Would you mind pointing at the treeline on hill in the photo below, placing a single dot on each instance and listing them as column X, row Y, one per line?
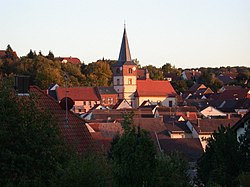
column 46, row 69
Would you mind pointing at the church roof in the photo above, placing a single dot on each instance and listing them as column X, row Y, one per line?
column 150, row 87
column 125, row 56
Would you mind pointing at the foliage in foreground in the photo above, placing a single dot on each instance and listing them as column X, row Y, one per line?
column 33, row 152
column 31, row 148
column 224, row 161
column 136, row 162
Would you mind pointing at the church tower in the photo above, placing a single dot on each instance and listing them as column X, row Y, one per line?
column 125, row 73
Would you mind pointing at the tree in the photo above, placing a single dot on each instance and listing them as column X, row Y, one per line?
column 221, row 163
column 31, row 54
column 134, row 156
column 171, row 171
column 50, row 56
column 97, row 73
column 91, row 170
column 245, row 149
column 154, row 72
column 32, row 151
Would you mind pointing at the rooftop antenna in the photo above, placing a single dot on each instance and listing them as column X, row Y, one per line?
column 66, row 97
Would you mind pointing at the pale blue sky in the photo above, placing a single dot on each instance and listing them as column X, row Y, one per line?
column 186, row 33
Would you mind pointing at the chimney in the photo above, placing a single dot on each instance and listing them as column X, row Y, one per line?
column 147, row 74
column 198, row 122
column 21, row 85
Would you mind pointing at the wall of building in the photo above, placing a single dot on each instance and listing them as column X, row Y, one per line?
column 84, row 106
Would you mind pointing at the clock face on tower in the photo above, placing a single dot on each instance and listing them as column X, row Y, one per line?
column 134, row 68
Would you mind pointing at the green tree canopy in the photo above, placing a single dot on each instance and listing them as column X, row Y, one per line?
column 32, row 152
column 134, row 156
column 221, row 163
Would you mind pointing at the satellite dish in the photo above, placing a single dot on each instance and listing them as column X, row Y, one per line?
column 70, row 103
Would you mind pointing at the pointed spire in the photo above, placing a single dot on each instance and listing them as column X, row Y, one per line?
column 124, row 55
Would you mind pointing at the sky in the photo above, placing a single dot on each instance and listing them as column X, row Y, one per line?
column 185, row 33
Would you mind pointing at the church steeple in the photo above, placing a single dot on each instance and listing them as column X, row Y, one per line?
column 124, row 56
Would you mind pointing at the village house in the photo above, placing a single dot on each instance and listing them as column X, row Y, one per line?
column 204, row 128
column 107, row 94
column 84, row 97
column 72, row 60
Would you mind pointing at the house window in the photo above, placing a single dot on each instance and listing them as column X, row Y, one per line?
column 118, row 81
column 170, row 104
column 130, row 70
column 90, row 103
column 129, row 81
column 110, row 100
column 79, row 110
column 84, row 102
column 103, row 100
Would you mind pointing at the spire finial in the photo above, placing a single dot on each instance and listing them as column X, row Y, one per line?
column 124, row 24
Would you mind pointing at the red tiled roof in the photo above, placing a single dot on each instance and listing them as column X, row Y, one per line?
column 75, row 133
column 234, row 94
column 150, row 87
column 3, row 54
column 78, row 93
column 189, row 148
column 72, row 60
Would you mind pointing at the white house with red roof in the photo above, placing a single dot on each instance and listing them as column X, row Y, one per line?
column 134, row 90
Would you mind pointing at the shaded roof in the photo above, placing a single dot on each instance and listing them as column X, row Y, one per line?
column 225, row 79
column 241, row 122
column 150, row 124
column 124, row 55
column 234, row 94
column 177, row 109
column 150, row 87
column 75, row 133
column 78, row 93
column 231, row 87
column 208, row 126
column 177, row 127
column 190, row 148
column 3, row 54
column 106, row 90
column 196, row 87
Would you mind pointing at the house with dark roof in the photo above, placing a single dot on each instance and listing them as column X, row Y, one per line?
column 187, row 112
column 108, row 95
column 189, row 148
column 204, row 128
